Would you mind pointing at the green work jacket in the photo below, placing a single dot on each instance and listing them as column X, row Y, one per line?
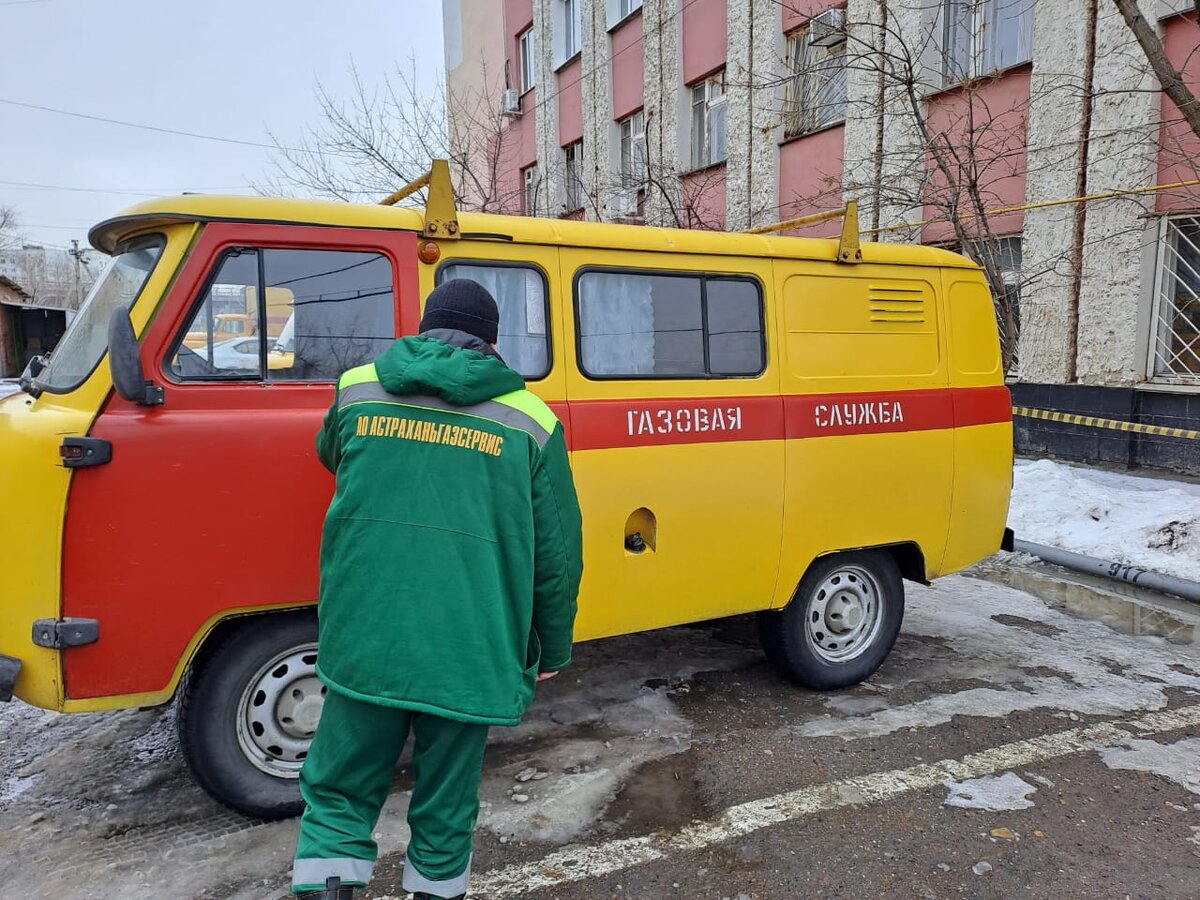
column 452, row 550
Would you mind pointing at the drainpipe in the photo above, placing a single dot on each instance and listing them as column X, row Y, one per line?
column 1115, row 571
column 1081, row 184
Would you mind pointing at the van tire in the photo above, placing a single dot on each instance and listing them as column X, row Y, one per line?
column 216, row 694
column 862, row 594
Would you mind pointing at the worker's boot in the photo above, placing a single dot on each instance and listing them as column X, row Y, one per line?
column 333, row 890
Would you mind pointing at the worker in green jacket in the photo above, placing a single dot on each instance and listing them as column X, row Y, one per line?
column 450, row 565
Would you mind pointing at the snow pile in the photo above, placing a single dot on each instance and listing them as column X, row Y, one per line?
column 1146, row 522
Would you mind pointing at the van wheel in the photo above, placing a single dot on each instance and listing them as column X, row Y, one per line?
column 841, row 623
column 248, row 711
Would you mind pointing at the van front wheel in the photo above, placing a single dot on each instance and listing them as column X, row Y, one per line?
column 841, row 623
column 248, row 711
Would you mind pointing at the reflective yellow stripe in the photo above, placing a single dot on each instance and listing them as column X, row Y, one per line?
column 532, row 405
column 359, row 375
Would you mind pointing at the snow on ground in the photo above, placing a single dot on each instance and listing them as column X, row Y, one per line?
column 8, row 387
column 1147, row 522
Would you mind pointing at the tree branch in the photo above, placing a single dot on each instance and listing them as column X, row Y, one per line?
column 1168, row 76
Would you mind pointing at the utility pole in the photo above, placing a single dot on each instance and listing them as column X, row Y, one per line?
column 78, row 254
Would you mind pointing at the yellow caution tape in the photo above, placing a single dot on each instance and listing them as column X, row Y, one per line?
column 1114, row 424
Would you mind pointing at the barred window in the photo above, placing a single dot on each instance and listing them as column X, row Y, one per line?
column 815, row 96
column 1176, row 337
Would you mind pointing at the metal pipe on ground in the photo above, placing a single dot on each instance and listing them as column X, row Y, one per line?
column 1107, row 568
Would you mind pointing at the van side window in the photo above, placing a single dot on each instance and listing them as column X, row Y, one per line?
column 634, row 324
column 327, row 311
column 322, row 312
column 206, row 351
column 520, row 292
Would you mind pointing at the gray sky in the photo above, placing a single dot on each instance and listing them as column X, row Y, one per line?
column 216, row 67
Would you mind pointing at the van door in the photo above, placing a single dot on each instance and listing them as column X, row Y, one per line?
column 213, row 502
column 677, row 436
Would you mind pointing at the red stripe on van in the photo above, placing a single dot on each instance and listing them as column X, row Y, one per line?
column 604, row 424
column 981, row 406
column 827, row 415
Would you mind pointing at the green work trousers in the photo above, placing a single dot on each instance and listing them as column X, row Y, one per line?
column 345, row 781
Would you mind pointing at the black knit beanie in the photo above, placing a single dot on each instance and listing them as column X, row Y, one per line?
column 465, row 305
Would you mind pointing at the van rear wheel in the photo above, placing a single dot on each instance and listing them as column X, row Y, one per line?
column 841, row 623
column 248, row 711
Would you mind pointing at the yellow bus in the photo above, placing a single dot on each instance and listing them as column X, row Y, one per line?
column 758, row 424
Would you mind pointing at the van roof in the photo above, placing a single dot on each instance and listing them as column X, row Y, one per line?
column 521, row 229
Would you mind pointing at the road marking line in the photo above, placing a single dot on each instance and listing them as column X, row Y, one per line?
column 597, row 860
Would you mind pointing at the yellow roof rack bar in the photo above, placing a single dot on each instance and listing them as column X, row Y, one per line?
column 441, row 215
column 849, row 247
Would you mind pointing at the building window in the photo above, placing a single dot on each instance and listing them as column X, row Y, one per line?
column 815, row 96
column 532, row 181
column 984, row 36
column 633, row 150
column 643, row 325
column 325, row 311
column 1176, row 337
column 528, row 45
column 618, row 10
column 709, row 144
column 520, row 293
column 573, row 177
column 566, row 25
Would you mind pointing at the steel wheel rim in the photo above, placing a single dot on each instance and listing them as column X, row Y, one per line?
column 278, row 711
column 844, row 614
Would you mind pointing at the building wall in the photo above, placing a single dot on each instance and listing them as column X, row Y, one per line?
column 1180, row 146
column 1083, row 116
column 9, row 367
column 475, row 50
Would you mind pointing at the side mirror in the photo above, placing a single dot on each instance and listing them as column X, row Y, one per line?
column 27, row 381
column 125, row 362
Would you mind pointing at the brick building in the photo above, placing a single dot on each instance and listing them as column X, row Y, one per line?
column 12, row 298
column 976, row 124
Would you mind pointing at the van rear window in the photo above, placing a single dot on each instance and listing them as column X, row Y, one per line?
column 659, row 325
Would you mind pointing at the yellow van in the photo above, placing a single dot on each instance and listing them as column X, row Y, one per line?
column 758, row 424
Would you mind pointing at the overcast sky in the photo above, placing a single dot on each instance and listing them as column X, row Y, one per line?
column 217, row 67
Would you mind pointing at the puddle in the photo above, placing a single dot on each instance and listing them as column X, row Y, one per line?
column 1122, row 607
column 1136, row 617
column 661, row 794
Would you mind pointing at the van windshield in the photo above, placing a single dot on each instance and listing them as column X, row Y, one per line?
column 86, row 338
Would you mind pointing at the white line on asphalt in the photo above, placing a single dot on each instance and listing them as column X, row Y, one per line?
column 597, row 860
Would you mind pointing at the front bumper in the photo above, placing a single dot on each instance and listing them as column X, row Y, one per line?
column 10, row 668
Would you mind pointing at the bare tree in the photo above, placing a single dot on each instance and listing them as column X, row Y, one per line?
column 10, row 232
column 383, row 136
column 1168, row 76
column 937, row 166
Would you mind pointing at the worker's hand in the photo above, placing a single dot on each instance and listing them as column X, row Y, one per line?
column 545, row 676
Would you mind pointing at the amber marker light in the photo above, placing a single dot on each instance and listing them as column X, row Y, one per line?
column 429, row 252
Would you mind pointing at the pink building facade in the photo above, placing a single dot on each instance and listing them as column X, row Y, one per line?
column 730, row 114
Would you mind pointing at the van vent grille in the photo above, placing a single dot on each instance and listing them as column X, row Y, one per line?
column 897, row 304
